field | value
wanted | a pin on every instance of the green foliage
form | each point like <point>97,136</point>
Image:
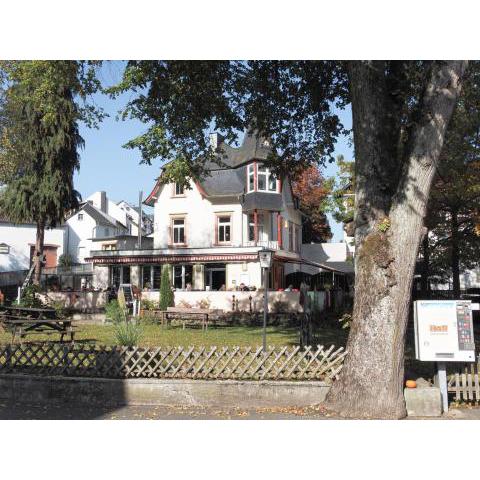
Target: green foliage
<point>149,305</point>
<point>43,104</point>
<point>29,297</point>
<point>340,203</point>
<point>384,225</point>
<point>167,298</point>
<point>65,260</point>
<point>127,334</point>
<point>289,102</point>
<point>454,205</point>
<point>148,318</point>
<point>60,310</point>
<point>114,312</point>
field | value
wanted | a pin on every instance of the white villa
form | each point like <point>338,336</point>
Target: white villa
<point>211,232</point>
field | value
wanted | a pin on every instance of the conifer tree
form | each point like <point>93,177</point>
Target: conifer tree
<point>41,138</point>
<point>166,292</point>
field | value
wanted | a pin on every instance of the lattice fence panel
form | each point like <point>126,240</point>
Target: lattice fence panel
<point>246,363</point>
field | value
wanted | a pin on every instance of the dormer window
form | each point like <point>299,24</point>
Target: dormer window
<point>261,179</point>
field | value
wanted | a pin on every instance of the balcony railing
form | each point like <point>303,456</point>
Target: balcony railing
<point>73,269</point>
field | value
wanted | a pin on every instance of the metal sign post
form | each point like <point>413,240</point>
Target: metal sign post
<point>442,384</point>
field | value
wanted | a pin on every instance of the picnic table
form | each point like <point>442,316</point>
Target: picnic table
<point>202,313</point>
<point>22,321</point>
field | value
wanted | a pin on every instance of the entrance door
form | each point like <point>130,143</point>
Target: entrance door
<point>215,276</point>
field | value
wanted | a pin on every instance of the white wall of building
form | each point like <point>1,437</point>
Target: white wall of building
<point>19,238</point>
<point>200,215</point>
<point>79,236</point>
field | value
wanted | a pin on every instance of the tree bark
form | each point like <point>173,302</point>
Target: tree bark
<point>390,207</point>
<point>455,254</point>
<point>38,253</point>
<point>425,285</point>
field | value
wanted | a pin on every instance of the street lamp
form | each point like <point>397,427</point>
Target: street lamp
<point>265,256</point>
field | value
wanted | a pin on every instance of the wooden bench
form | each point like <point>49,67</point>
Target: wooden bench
<point>21,327</point>
<point>203,313</point>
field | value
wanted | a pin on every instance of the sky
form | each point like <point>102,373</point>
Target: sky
<point>106,165</point>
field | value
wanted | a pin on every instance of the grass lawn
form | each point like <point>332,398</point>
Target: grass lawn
<point>157,336</point>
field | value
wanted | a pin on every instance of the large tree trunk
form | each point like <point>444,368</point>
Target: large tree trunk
<point>425,277</point>
<point>38,253</point>
<point>392,188</point>
<point>455,254</point>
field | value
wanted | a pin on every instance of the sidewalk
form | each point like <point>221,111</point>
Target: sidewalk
<point>10,411</point>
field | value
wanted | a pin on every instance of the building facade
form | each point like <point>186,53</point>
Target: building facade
<point>211,230</point>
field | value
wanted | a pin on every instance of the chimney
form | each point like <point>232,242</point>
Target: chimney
<point>103,202</point>
<point>215,140</point>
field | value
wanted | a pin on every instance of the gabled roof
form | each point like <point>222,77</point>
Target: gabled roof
<point>100,217</point>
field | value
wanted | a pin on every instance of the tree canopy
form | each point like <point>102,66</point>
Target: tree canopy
<point>291,103</point>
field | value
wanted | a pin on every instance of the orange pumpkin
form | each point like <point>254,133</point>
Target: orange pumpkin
<point>411,384</point>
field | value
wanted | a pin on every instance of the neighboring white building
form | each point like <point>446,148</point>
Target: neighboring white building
<point>17,243</point>
<point>336,255</point>
<point>211,232</point>
<point>133,217</point>
<point>99,218</point>
<point>87,224</point>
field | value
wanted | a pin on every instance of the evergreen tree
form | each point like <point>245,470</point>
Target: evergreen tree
<point>167,298</point>
<point>41,138</point>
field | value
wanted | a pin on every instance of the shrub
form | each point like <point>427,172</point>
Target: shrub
<point>167,298</point>
<point>149,305</point>
<point>148,318</point>
<point>29,297</point>
<point>127,334</point>
<point>114,312</point>
<point>65,260</point>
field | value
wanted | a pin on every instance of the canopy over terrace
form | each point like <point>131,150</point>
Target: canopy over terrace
<point>198,268</point>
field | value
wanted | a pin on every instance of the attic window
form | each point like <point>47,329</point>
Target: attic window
<point>4,248</point>
<point>178,190</point>
<point>80,217</point>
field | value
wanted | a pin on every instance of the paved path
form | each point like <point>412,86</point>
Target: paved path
<point>11,411</point>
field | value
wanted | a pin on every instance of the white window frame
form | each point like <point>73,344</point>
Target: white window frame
<point>223,225</point>
<point>179,227</point>
<point>80,217</point>
<point>251,177</point>
<point>253,180</point>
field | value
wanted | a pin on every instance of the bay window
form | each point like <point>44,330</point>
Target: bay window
<point>251,177</point>
<point>263,180</point>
